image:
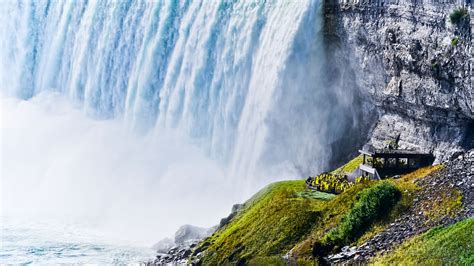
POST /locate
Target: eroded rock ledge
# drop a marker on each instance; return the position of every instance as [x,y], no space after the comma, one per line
[414,65]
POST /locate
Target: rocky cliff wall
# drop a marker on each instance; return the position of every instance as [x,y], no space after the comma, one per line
[412,64]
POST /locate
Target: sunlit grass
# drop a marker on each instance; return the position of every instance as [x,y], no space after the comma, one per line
[287,216]
[349,167]
[452,245]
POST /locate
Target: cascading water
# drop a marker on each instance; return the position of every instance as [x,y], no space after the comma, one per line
[240,80]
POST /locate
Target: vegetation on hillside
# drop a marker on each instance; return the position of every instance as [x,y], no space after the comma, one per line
[373,204]
[406,184]
[349,167]
[287,218]
[452,245]
[274,221]
[455,41]
[271,223]
[314,194]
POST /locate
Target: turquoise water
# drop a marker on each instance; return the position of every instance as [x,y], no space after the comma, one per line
[36,242]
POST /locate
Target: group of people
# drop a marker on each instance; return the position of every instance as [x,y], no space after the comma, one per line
[328,182]
[332,183]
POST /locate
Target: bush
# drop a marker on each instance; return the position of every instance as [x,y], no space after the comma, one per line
[455,41]
[458,15]
[373,204]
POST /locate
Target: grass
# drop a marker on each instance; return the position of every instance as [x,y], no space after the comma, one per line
[332,213]
[406,184]
[455,41]
[420,173]
[270,224]
[452,245]
[349,167]
[373,204]
[314,194]
[408,188]
[287,216]
[446,204]
[282,217]
[264,261]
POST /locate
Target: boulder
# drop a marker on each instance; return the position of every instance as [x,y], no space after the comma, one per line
[163,245]
[190,232]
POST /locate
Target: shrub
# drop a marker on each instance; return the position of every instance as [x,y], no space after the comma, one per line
[455,41]
[373,204]
[458,15]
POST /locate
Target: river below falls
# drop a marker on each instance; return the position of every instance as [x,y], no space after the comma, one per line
[25,241]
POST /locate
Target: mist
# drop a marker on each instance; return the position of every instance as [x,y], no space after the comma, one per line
[56,162]
[141,116]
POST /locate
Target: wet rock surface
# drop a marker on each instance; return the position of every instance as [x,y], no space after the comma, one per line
[414,65]
[177,255]
[191,232]
[234,211]
[457,173]
[177,251]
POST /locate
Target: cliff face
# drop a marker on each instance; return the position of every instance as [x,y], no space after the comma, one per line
[413,64]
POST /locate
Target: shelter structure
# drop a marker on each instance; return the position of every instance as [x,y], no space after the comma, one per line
[379,164]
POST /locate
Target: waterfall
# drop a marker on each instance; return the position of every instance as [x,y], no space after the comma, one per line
[241,79]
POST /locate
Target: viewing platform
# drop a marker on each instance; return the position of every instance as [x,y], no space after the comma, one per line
[379,164]
[372,164]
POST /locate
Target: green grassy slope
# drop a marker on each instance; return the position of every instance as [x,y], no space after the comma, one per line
[270,223]
[286,216]
[283,216]
[452,245]
[349,167]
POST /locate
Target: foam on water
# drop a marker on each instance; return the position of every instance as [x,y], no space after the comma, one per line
[242,78]
[26,241]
